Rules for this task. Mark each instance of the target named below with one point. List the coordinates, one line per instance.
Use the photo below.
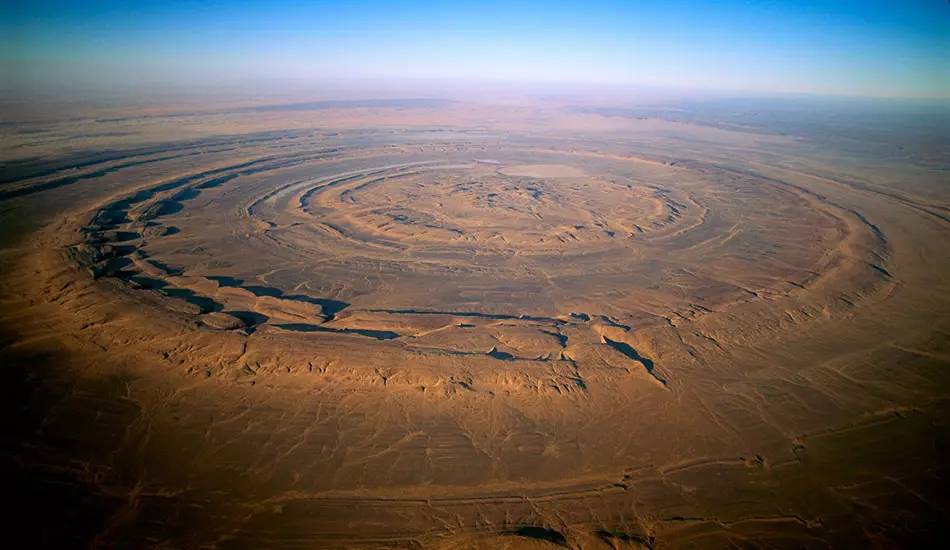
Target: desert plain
(435, 323)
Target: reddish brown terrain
(435, 324)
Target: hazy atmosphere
(869, 48)
(475, 275)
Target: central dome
(543, 209)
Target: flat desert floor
(446, 324)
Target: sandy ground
(449, 326)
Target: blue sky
(870, 48)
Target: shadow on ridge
(628, 350)
(330, 307)
(542, 534)
(377, 334)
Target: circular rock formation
(480, 273)
(479, 342)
